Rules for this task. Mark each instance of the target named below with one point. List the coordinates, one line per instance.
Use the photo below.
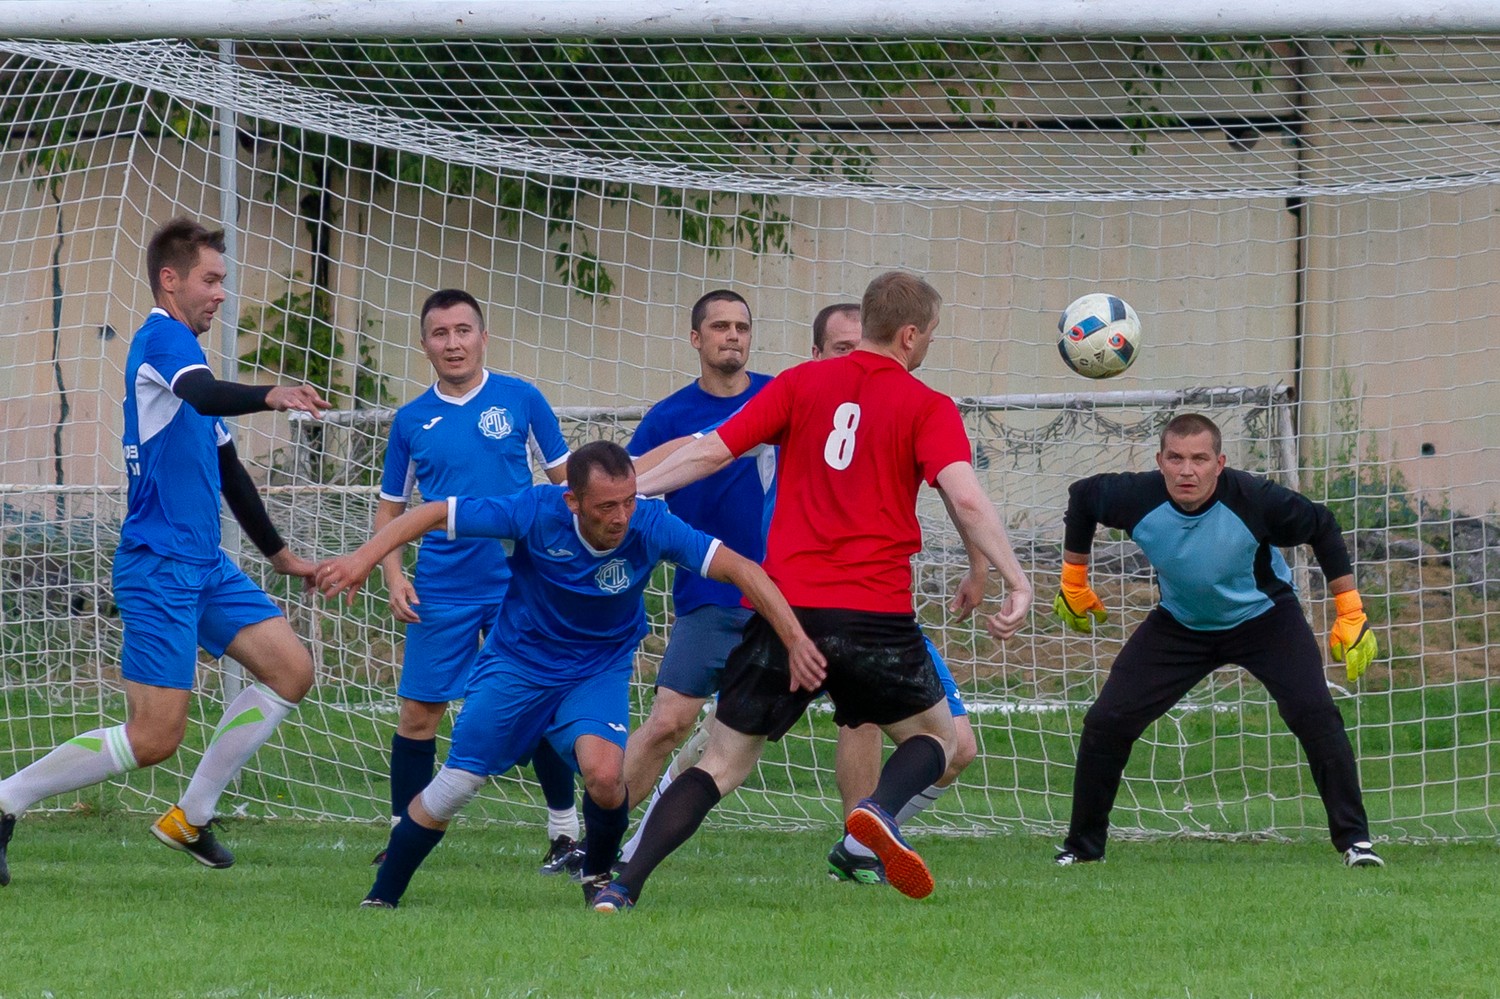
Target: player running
(857, 436)
(175, 589)
(558, 665)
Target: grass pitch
(98, 908)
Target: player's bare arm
(403, 596)
(654, 457)
(692, 461)
(807, 665)
(978, 524)
(347, 573)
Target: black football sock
(679, 812)
(914, 766)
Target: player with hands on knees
(1213, 535)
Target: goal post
(1305, 222)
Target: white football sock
(82, 761)
(628, 850)
(562, 822)
(248, 722)
(919, 803)
(855, 848)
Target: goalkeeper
(1213, 535)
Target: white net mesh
(1307, 223)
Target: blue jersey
(573, 611)
(1218, 566)
(732, 504)
(477, 445)
(171, 450)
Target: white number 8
(838, 450)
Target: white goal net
(1308, 227)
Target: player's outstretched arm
(661, 453)
(687, 464)
(347, 573)
(808, 667)
(403, 596)
(215, 397)
(988, 545)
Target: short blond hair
(896, 299)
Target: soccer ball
(1099, 336)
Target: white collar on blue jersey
(597, 553)
(467, 395)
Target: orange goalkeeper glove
(1351, 640)
(1078, 606)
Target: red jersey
(857, 436)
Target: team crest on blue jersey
(613, 576)
(495, 422)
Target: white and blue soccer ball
(1099, 335)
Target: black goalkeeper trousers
(1162, 661)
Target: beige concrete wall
(1400, 287)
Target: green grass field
(98, 908)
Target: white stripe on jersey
(713, 546)
(155, 405)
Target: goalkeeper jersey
(1220, 565)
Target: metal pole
(314, 19)
(229, 312)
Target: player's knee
(294, 676)
(447, 794)
(1106, 735)
(152, 746)
(606, 785)
(1314, 723)
(965, 749)
(669, 729)
(419, 719)
(1113, 725)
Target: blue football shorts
(701, 640)
(441, 649)
(170, 608)
(510, 706)
(945, 677)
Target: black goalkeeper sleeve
(244, 502)
(213, 397)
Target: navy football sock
(555, 776)
(409, 846)
(412, 764)
(603, 828)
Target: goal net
(1307, 227)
